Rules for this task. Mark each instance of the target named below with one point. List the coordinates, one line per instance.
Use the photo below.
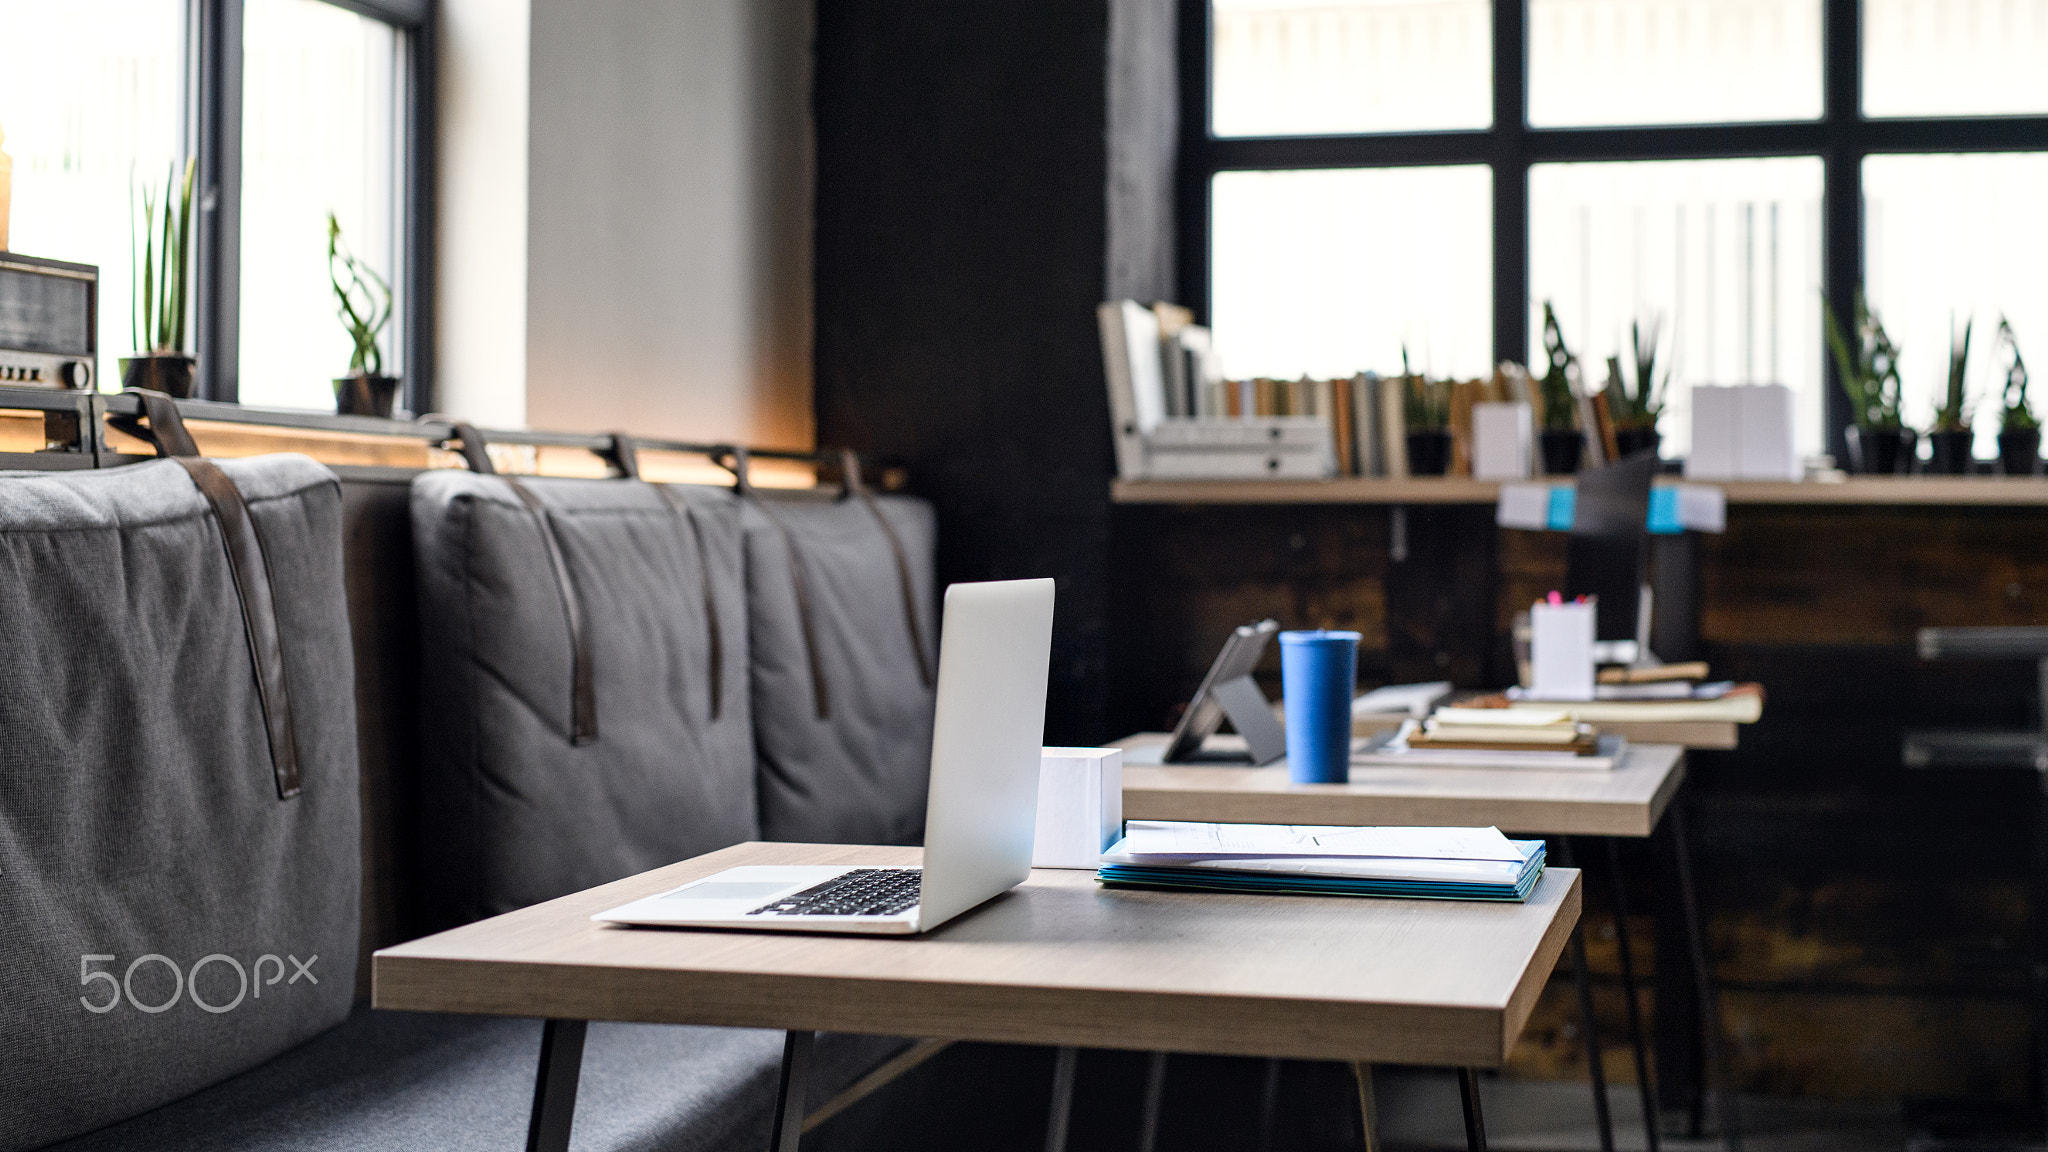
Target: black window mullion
(1198, 162)
(1842, 192)
(1509, 140)
(216, 297)
(418, 202)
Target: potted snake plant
(1949, 440)
(1561, 441)
(363, 301)
(1426, 407)
(2019, 430)
(1636, 410)
(162, 254)
(1870, 376)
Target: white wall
(480, 248)
(667, 221)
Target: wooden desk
(1628, 801)
(1059, 960)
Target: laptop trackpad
(751, 890)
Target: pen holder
(1318, 677)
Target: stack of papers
(1427, 863)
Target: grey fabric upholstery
(857, 775)
(413, 1082)
(514, 813)
(141, 832)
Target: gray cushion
(516, 813)
(857, 775)
(410, 1082)
(139, 813)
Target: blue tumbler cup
(1318, 677)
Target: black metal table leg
(1062, 1110)
(1710, 1009)
(1269, 1104)
(1475, 1122)
(1645, 1087)
(554, 1087)
(1155, 1098)
(1368, 1108)
(791, 1090)
(1582, 977)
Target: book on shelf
(1394, 427)
(1369, 449)
(1137, 386)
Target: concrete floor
(1420, 1110)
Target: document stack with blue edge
(1315, 860)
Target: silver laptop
(980, 813)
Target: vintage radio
(49, 322)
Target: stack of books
(1651, 695)
(1493, 738)
(1505, 730)
(1421, 863)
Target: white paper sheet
(1179, 838)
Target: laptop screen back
(994, 649)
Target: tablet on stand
(1229, 690)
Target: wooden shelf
(1935, 491)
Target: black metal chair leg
(554, 1087)
(791, 1089)
(1062, 1110)
(1710, 1009)
(1269, 1104)
(1475, 1122)
(1155, 1100)
(1645, 1087)
(1582, 977)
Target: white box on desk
(1080, 806)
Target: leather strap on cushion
(627, 461)
(251, 574)
(474, 452)
(745, 487)
(849, 467)
(582, 692)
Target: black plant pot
(1633, 440)
(1877, 451)
(365, 395)
(1429, 453)
(171, 373)
(2019, 451)
(1561, 452)
(1949, 454)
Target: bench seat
(407, 1081)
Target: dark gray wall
(963, 222)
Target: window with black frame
(286, 111)
(1361, 177)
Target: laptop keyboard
(861, 892)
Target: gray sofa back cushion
(855, 774)
(170, 921)
(515, 810)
